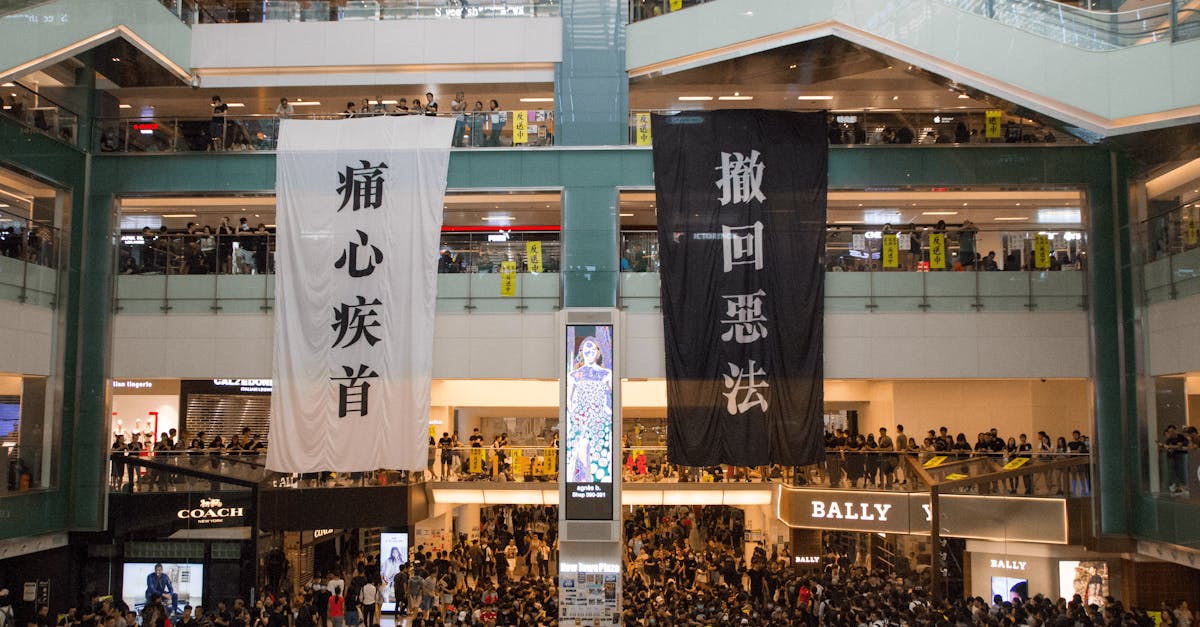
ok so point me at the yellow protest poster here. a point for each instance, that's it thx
(676, 5)
(956, 476)
(520, 127)
(991, 128)
(642, 129)
(934, 462)
(1016, 463)
(891, 251)
(533, 253)
(537, 467)
(1041, 252)
(475, 462)
(937, 251)
(432, 431)
(520, 463)
(1193, 232)
(508, 278)
(550, 463)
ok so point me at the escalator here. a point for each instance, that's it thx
(38, 34)
(1104, 73)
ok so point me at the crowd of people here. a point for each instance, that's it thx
(683, 566)
(199, 249)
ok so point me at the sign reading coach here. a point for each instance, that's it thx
(741, 202)
(359, 212)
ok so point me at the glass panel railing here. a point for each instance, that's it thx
(30, 258)
(1170, 242)
(874, 128)
(1053, 19)
(248, 11)
(240, 133)
(856, 282)
(163, 272)
(1076, 26)
(39, 112)
(22, 469)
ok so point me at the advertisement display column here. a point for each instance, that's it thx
(590, 491)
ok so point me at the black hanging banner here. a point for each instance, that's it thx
(741, 231)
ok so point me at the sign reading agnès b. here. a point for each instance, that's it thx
(1019, 519)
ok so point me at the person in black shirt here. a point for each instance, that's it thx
(1174, 446)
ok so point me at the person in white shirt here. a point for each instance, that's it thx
(368, 598)
(284, 109)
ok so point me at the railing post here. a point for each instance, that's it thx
(978, 304)
(1174, 292)
(1174, 14)
(871, 304)
(24, 274)
(1030, 305)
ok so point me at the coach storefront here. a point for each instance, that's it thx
(203, 539)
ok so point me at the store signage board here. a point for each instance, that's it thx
(1024, 519)
(210, 511)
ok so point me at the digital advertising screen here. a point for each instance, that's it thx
(588, 459)
(1087, 579)
(182, 583)
(1010, 588)
(393, 555)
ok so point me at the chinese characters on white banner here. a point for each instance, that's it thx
(359, 216)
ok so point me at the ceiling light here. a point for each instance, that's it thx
(391, 102)
(895, 97)
(845, 221)
(1059, 216)
(963, 97)
(792, 66)
(8, 85)
(735, 97)
(306, 103)
(498, 218)
(117, 59)
(698, 98)
(233, 105)
(1017, 204)
(814, 97)
(178, 215)
(939, 213)
(964, 204)
(124, 106)
(537, 100)
(625, 215)
(1011, 219)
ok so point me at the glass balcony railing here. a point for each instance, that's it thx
(22, 468)
(240, 133)
(1040, 475)
(874, 128)
(1060, 21)
(39, 112)
(30, 258)
(1171, 259)
(248, 11)
(161, 273)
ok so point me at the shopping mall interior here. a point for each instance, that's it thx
(1011, 377)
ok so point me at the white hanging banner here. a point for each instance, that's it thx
(358, 213)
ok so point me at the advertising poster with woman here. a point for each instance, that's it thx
(588, 462)
(393, 555)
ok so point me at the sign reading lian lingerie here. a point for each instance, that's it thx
(741, 197)
(359, 215)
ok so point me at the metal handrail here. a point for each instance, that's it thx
(1075, 26)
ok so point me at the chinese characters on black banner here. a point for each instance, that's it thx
(360, 188)
(743, 322)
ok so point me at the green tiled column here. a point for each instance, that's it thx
(1115, 444)
(591, 96)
